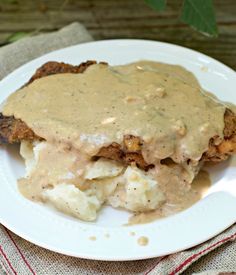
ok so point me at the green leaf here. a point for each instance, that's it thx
(200, 15)
(16, 36)
(9, 1)
(157, 4)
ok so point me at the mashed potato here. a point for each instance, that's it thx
(136, 191)
(100, 182)
(70, 200)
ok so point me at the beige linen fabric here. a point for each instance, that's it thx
(18, 256)
(43, 261)
(20, 52)
(220, 260)
(172, 263)
(27, 258)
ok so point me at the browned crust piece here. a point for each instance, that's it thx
(227, 147)
(14, 130)
(128, 153)
(53, 67)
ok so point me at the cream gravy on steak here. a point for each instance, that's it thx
(160, 103)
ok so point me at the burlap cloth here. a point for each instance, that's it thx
(18, 256)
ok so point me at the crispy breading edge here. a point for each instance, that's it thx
(220, 152)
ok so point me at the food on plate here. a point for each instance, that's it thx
(133, 136)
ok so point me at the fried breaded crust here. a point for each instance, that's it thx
(227, 147)
(14, 130)
(53, 67)
(129, 152)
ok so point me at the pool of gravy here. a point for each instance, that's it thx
(177, 199)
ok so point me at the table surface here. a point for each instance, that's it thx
(106, 19)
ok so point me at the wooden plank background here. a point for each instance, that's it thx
(107, 19)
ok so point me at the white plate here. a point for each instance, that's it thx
(50, 229)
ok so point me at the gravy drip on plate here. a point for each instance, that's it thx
(178, 198)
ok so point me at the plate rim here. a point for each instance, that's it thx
(21, 68)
